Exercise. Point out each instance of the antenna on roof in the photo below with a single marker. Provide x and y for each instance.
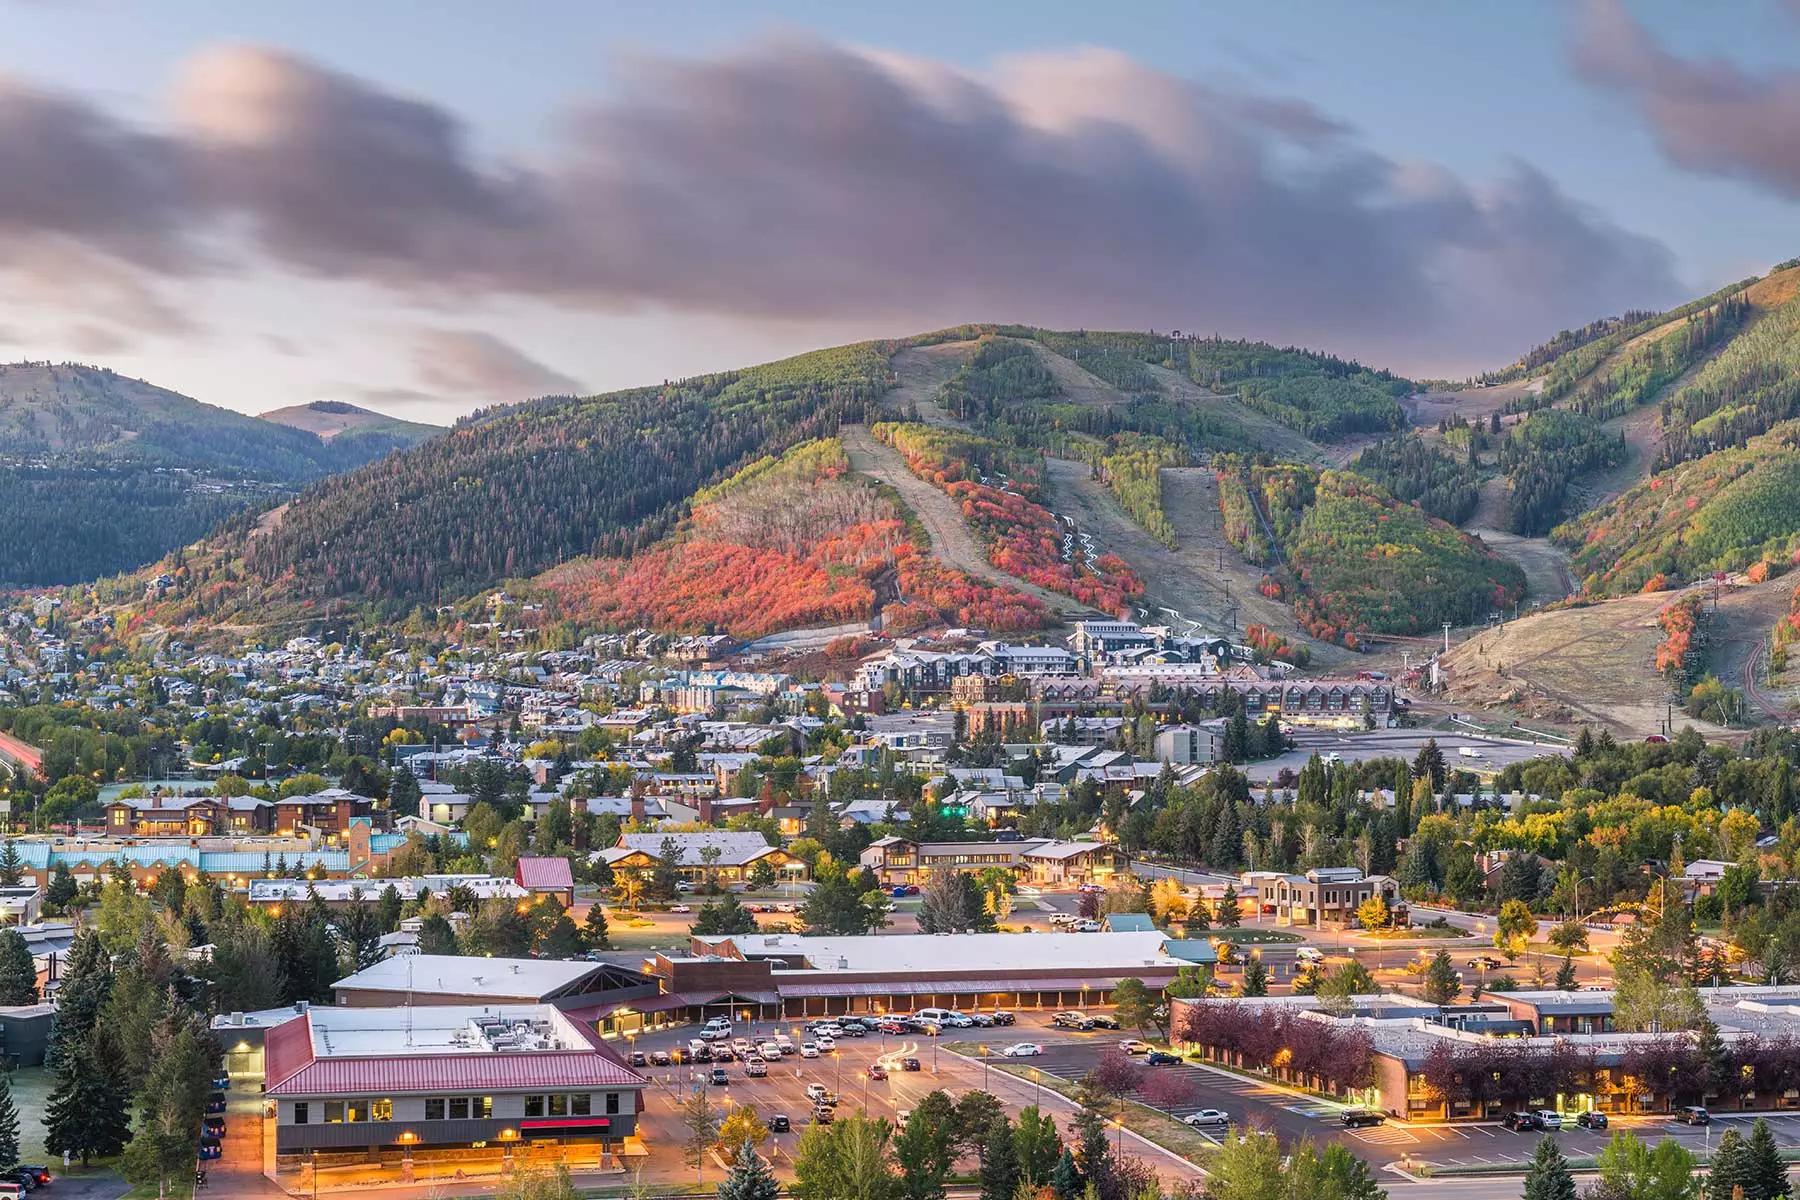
(409, 1000)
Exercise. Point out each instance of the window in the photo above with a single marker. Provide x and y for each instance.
(434, 1110)
(357, 1110)
(612, 1102)
(459, 1108)
(580, 1105)
(300, 1113)
(481, 1106)
(534, 1106)
(381, 1110)
(334, 1112)
(559, 1105)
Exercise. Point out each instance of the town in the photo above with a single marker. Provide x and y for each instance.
(647, 909)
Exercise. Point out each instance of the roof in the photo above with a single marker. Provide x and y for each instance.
(1124, 953)
(735, 849)
(545, 874)
(356, 1051)
(1066, 849)
(1129, 922)
(501, 978)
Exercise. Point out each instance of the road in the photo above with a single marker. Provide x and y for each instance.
(22, 753)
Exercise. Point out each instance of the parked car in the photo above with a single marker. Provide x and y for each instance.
(1357, 1118)
(1087, 927)
(1071, 1020)
(1102, 1021)
(209, 1148)
(891, 1025)
(1521, 1122)
(1002, 1017)
(723, 1054)
(1092, 888)
(1133, 1046)
(909, 1064)
(37, 1176)
(719, 1028)
(1695, 1116)
(1549, 1118)
(719, 1077)
(877, 1071)
(215, 1103)
(980, 1020)
(679, 908)
(638, 1059)
(659, 1058)
(213, 1127)
(827, 1043)
(756, 1068)
(1591, 1119)
(1022, 1050)
(771, 1052)
(1207, 1116)
(809, 1049)
(741, 1045)
(1484, 960)
(779, 1123)
(1162, 1058)
(222, 1083)
(823, 1114)
(818, 1093)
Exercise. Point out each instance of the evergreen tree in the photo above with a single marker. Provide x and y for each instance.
(1093, 1154)
(9, 1125)
(750, 1178)
(1548, 1176)
(1430, 765)
(1256, 976)
(1565, 975)
(1040, 1147)
(436, 935)
(88, 1114)
(1065, 1180)
(1228, 916)
(1730, 1168)
(86, 985)
(1767, 1177)
(999, 1163)
(18, 973)
(12, 866)
(387, 909)
(63, 889)
(593, 929)
(1441, 985)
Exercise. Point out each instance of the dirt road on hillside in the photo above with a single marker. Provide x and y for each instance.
(920, 371)
(951, 540)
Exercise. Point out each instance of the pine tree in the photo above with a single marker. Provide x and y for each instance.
(1730, 1168)
(9, 1126)
(1548, 1176)
(1565, 975)
(593, 929)
(1228, 915)
(88, 1112)
(1766, 1175)
(1256, 976)
(12, 867)
(1065, 1181)
(63, 888)
(18, 973)
(1441, 985)
(999, 1163)
(749, 1178)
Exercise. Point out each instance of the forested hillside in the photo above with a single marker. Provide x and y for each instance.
(1354, 560)
(1722, 512)
(787, 543)
(101, 473)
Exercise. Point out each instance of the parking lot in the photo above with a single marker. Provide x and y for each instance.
(1254, 1104)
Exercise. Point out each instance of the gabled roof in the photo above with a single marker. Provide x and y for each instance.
(544, 874)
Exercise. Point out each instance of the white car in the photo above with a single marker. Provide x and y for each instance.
(1022, 1050)
(1549, 1118)
(809, 1049)
(1133, 1046)
(958, 1020)
(679, 908)
(770, 1053)
(741, 1046)
(826, 1042)
(1207, 1116)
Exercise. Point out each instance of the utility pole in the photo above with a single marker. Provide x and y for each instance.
(1446, 637)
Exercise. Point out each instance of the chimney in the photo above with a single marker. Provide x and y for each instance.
(637, 802)
(705, 809)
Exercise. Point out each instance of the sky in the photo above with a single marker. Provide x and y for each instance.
(429, 207)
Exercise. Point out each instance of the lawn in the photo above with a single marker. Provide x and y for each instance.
(1412, 935)
(1149, 1123)
(31, 1094)
(1253, 937)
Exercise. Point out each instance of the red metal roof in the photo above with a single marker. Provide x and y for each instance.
(544, 874)
(292, 1069)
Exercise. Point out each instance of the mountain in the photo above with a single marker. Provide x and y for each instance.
(101, 473)
(330, 419)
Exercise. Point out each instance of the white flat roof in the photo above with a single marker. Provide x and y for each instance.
(504, 978)
(1122, 952)
(441, 1029)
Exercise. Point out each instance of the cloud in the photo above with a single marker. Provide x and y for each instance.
(1709, 117)
(470, 363)
(800, 180)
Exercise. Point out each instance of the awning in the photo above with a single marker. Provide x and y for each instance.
(670, 1001)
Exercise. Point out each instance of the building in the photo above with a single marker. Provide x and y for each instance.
(1185, 745)
(1093, 639)
(1511, 1051)
(272, 894)
(785, 974)
(896, 860)
(413, 1080)
(547, 877)
(189, 816)
(722, 855)
(327, 814)
(1322, 896)
(448, 979)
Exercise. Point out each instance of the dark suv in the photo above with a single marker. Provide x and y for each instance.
(1591, 1119)
(1520, 1122)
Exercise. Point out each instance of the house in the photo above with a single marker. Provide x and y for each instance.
(165, 815)
(896, 860)
(329, 812)
(1324, 895)
(547, 877)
